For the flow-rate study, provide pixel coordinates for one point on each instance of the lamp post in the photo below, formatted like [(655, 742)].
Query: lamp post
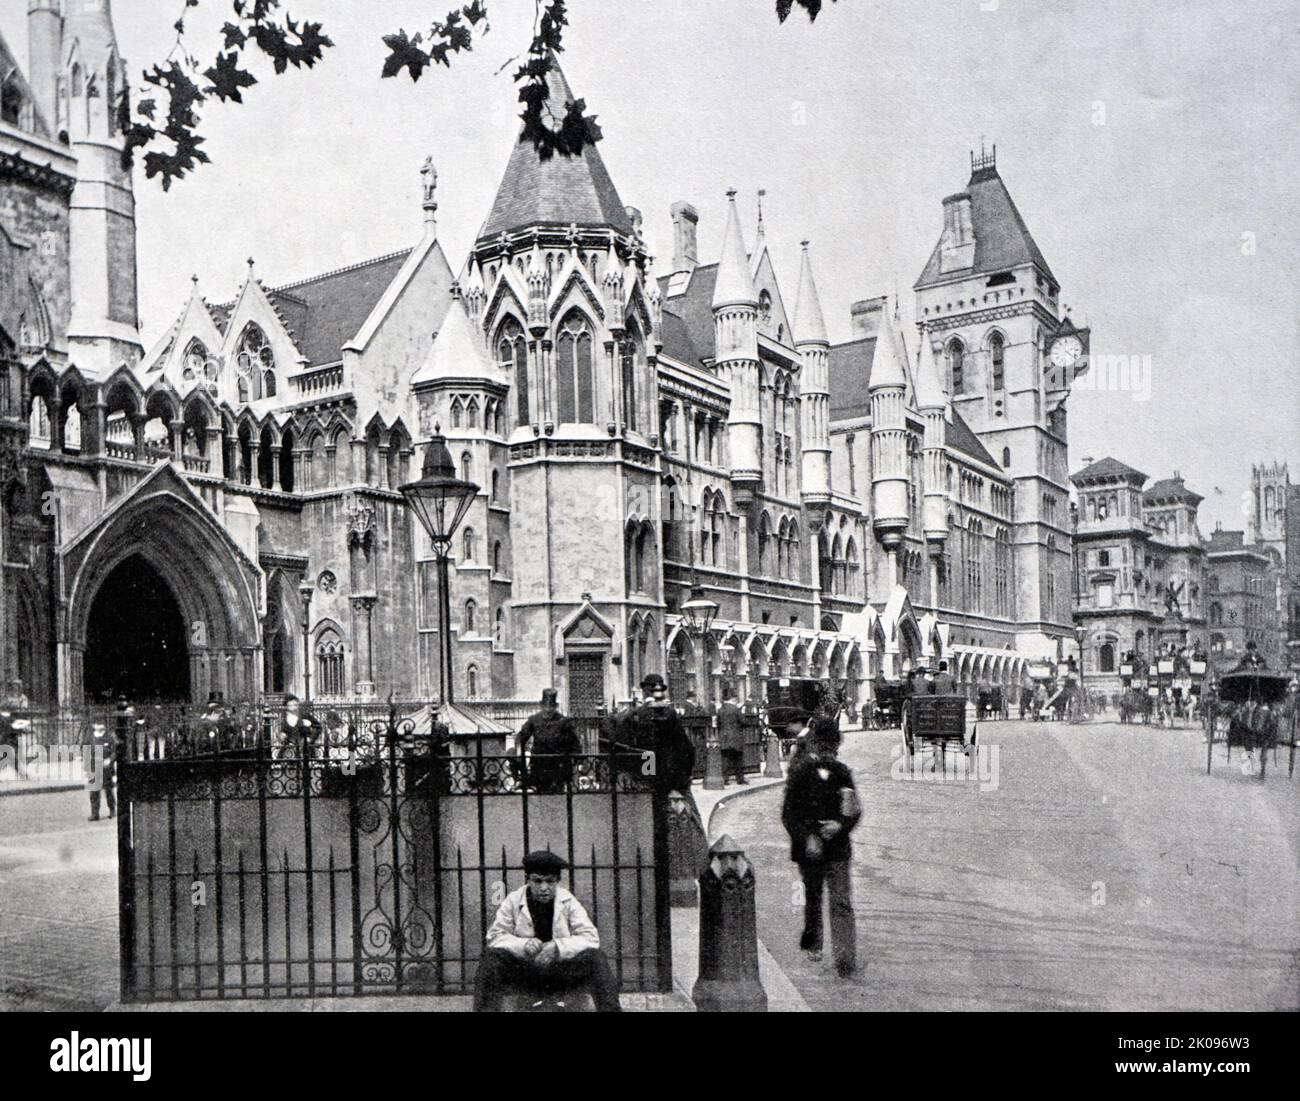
[(1081, 633), (305, 591), (698, 612), (440, 500)]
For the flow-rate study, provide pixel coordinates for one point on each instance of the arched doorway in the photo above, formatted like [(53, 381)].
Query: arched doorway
[(135, 638)]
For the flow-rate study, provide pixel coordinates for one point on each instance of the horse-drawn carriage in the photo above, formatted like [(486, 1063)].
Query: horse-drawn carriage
[(1253, 711), (887, 707), (936, 722)]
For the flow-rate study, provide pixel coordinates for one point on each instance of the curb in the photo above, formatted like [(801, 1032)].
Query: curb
[(42, 789), (726, 799)]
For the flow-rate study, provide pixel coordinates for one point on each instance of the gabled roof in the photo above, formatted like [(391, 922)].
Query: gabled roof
[(1107, 468), (325, 312), (962, 439), (688, 329), (1170, 489), (558, 191), (850, 378), (1002, 240)]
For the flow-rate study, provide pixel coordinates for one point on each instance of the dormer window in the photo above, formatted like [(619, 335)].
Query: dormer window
[(255, 362), (765, 307)]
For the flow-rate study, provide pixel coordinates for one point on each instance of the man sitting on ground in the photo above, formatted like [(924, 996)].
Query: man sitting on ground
[(542, 944)]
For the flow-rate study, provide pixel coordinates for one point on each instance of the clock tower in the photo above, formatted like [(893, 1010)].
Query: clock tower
[(989, 305)]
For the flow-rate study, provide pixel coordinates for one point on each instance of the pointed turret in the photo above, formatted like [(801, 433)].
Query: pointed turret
[(104, 331), (734, 286), (813, 345), (933, 402), (931, 393), (44, 42), (735, 323), (809, 324), (458, 353), (889, 449)]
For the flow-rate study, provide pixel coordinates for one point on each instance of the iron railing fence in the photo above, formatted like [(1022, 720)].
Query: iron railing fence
[(373, 865)]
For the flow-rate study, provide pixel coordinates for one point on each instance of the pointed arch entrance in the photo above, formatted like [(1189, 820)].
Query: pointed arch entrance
[(160, 546), (135, 638)]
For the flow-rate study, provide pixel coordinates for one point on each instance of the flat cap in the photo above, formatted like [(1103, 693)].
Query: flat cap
[(544, 862)]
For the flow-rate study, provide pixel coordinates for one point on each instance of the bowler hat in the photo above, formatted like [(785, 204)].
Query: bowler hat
[(544, 862), (652, 682)]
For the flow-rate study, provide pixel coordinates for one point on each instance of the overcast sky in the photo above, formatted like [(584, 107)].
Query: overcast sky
[(1151, 148)]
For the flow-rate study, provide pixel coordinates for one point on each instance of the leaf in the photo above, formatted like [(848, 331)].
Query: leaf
[(235, 36), (404, 53), (228, 77)]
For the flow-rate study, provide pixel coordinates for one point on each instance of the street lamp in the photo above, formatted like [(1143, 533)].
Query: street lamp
[(1081, 633), (305, 591), (699, 611), (440, 500)]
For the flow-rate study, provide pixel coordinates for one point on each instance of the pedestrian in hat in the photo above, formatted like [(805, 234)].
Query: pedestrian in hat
[(819, 812), (551, 742), (656, 727), (731, 737), (542, 944), (99, 766)]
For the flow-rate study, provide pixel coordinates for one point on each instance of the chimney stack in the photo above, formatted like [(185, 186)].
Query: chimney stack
[(686, 220), (866, 316), (957, 245)]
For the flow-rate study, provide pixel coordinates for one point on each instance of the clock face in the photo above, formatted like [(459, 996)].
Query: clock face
[(1066, 350)]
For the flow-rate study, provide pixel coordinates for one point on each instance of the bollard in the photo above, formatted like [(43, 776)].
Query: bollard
[(728, 980), (713, 780), (772, 755), (688, 852)]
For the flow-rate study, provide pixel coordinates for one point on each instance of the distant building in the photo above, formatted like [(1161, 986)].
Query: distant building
[(1140, 568), (1245, 593)]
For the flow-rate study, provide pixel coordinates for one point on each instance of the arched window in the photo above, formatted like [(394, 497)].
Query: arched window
[(268, 384), (498, 559), (471, 412), (573, 371), (455, 412), (1006, 458), (512, 357), (1106, 657), (997, 355), (764, 544), (254, 360), (499, 628), (466, 466), (76, 81), (330, 664), (471, 614), (471, 682), (496, 486), (632, 356), (467, 544), (956, 369)]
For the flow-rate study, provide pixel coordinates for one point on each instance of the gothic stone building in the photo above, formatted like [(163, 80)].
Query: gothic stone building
[(213, 513)]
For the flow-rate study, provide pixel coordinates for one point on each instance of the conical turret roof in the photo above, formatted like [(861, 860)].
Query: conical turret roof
[(809, 324), (457, 351), (889, 366), (734, 285), (930, 391), (561, 191)]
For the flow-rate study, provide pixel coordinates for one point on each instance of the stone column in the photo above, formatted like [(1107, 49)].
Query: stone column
[(213, 451), (138, 421), (362, 609), (177, 428)]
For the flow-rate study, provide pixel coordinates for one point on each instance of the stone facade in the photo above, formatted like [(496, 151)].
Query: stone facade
[(853, 509)]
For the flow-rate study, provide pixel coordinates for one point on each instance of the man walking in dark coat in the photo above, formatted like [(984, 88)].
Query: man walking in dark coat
[(820, 810), (99, 765), (656, 727), (731, 737), (549, 737)]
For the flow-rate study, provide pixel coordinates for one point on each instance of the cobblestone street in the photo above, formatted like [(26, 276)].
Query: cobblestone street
[(1106, 871)]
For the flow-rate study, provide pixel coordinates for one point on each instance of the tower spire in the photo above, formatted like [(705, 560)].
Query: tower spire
[(734, 286)]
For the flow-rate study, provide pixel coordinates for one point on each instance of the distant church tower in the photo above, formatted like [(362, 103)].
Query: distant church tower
[(1268, 491), (989, 305), (79, 78)]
